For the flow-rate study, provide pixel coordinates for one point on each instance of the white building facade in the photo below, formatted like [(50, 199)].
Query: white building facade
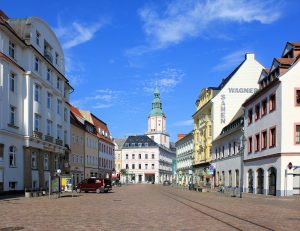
[(145, 161), (272, 129), (184, 159), (226, 158), (234, 90), (35, 131)]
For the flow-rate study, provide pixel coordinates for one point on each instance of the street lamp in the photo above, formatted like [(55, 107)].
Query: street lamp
[(243, 142)]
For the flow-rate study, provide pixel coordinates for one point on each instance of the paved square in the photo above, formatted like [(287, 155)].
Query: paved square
[(150, 207)]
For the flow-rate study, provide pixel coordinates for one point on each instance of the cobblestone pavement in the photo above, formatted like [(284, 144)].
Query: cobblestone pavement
[(150, 207)]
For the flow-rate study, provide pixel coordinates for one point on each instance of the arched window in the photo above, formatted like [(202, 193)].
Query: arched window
[(12, 156)]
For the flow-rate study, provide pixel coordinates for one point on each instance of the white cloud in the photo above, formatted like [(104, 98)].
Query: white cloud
[(102, 98), (184, 19), (231, 60), (184, 123), (166, 80), (77, 33)]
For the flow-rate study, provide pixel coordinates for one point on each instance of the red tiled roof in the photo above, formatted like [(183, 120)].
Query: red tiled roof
[(76, 111), (285, 61), (296, 44), (100, 124)]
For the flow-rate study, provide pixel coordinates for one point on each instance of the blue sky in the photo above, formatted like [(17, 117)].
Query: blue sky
[(116, 50)]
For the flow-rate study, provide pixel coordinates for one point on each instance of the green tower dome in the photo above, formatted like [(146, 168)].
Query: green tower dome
[(156, 104)]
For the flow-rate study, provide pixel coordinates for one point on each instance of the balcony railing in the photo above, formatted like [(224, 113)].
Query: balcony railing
[(48, 55), (59, 142), (37, 134), (49, 138)]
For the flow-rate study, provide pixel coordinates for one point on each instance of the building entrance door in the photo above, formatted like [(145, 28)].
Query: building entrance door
[(140, 178), (250, 181), (272, 181), (260, 181)]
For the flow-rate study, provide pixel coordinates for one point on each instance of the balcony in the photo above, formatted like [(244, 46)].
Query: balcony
[(48, 56), (49, 138), (37, 134), (59, 142)]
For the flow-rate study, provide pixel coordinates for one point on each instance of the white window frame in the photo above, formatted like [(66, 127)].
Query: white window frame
[(49, 100), (12, 81), (11, 49), (36, 64), (12, 157), (33, 160), (37, 121), (49, 127), (46, 161), (37, 92), (12, 117)]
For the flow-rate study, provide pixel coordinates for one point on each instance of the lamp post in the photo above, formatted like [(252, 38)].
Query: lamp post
[(243, 141), (58, 171)]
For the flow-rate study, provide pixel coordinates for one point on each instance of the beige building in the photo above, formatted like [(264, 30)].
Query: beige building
[(76, 161), (119, 142)]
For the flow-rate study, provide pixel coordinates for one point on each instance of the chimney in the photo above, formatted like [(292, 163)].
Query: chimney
[(249, 55)]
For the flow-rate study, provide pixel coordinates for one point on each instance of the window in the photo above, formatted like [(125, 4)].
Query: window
[(297, 97), (140, 166), (65, 137), (37, 38), (56, 58), (133, 156), (58, 83), (59, 106), (49, 74), (1, 151), (257, 111), (272, 137), (146, 144), (272, 102), (46, 162), (133, 166), (140, 145), (152, 166), (133, 145), (250, 144), (65, 114), (264, 107), (257, 143), (12, 156), (37, 122), (11, 50), (146, 166), (36, 64), (58, 131), (12, 82), (264, 140), (153, 156), (233, 148), (49, 100), (49, 127), (297, 135), (229, 149), (56, 165), (12, 185), (140, 156), (33, 160), (12, 117), (126, 156), (250, 115), (127, 167), (37, 89), (146, 156)]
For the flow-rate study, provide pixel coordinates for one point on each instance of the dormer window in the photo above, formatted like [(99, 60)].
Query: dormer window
[(132, 144), (146, 144), (38, 38), (126, 145), (140, 145)]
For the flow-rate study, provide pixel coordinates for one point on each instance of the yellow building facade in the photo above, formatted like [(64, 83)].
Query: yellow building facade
[(203, 135)]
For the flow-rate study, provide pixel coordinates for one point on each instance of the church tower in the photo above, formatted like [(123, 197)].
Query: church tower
[(157, 122)]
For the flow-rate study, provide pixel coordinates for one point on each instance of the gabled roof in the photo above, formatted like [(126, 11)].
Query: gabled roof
[(120, 142), (102, 129)]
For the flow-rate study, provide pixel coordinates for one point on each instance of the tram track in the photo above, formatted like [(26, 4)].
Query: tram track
[(230, 220)]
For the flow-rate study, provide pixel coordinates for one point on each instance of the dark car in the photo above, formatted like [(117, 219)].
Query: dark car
[(94, 185), (166, 183)]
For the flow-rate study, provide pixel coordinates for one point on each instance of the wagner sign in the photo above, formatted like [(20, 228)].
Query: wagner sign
[(242, 90)]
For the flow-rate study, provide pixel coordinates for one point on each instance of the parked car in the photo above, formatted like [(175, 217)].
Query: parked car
[(94, 185), (166, 183)]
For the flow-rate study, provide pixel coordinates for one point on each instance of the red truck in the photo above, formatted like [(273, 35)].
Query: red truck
[(94, 185)]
